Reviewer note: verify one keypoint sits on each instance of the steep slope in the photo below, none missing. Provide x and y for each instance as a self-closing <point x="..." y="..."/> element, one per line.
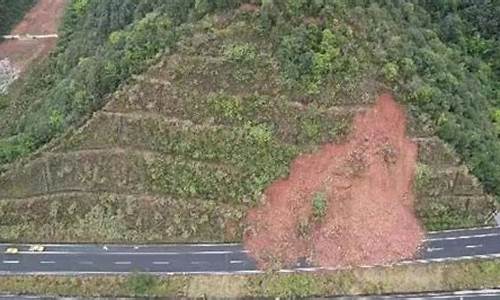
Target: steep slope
<point x="185" y="149"/>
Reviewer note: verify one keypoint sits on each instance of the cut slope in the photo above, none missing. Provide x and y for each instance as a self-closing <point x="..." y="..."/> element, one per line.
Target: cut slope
<point x="367" y="182"/>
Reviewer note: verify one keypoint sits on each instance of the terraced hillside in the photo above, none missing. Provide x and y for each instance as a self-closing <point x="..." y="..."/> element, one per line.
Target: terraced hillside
<point x="185" y="149"/>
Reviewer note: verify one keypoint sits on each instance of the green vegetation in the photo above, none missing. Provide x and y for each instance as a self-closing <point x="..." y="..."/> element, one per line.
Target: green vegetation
<point x="102" y="45"/>
<point x="11" y="12"/>
<point x="319" y="205"/>
<point x="441" y="59"/>
<point x="398" y="279"/>
<point x="141" y="283"/>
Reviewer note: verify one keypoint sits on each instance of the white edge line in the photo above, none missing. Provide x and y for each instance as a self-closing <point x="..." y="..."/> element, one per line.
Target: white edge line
<point x="130" y="253"/>
<point x="462" y="237"/>
<point x="125" y="245"/>
<point x="462" y="229"/>
<point x="454" y="294"/>
<point x="71" y="273"/>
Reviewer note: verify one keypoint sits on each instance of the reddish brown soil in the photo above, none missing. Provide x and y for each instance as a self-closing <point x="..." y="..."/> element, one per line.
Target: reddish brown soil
<point x="368" y="184"/>
<point x="23" y="53"/>
<point x="43" y="18"/>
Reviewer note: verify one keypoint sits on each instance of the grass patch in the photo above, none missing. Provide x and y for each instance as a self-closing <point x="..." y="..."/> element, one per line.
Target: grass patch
<point x="399" y="279"/>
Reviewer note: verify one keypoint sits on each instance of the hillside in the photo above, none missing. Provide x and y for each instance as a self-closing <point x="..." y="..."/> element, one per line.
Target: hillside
<point x="171" y="120"/>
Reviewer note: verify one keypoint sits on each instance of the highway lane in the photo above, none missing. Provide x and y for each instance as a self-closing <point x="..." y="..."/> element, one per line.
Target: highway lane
<point x="493" y="294"/>
<point x="72" y="259"/>
<point x="122" y="259"/>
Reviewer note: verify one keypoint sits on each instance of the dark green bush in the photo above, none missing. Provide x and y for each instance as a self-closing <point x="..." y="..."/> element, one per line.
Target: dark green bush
<point x="141" y="284"/>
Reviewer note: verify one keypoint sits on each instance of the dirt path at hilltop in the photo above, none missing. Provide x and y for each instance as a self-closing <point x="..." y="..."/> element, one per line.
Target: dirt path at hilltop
<point x="43" y="18"/>
<point x="366" y="186"/>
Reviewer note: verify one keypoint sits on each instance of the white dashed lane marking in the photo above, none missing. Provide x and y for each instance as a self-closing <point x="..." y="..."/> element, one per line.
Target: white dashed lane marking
<point x="161" y="263"/>
<point x="474" y="246"/>
<point x="48" y="262"/>
<point x="10" y="261"/>
<point x="236" y="262"/>
<point x="463" y="237"/>
<point x="434" y="249"/>
<point x="123" y="262"/>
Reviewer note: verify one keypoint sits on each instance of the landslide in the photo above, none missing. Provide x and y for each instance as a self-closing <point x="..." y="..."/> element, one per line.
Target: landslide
<point x="167" y="121"/>
<point x="345" y="204"/>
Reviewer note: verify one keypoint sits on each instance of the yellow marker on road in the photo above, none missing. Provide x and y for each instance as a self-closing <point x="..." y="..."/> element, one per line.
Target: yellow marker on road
<point x="37" y="248"/>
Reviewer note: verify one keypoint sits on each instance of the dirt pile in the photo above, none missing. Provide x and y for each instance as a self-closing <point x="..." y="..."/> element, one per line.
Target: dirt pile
<point x="349" y="204"/>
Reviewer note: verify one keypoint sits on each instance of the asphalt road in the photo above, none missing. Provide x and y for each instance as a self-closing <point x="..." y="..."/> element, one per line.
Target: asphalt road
<point x="67" y="259"/>
<point x="460" y="295"/>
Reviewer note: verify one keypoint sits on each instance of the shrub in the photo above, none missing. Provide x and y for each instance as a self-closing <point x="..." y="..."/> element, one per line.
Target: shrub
<point x="261" y="133"/>
<point x="422" y="176"/>
<point x="320" y="205"/>
<point x="241" y="53"/>
<point x="141" y="284"/>
<point x="390" y="71"/>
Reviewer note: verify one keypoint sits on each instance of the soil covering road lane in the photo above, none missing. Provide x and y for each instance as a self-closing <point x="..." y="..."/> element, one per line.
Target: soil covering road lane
<point x="75" y="259"/>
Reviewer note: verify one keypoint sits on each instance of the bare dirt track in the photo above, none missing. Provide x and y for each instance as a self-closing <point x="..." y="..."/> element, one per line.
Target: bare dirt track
<point x="43" y="18"/>
<point x="367" y="184"/>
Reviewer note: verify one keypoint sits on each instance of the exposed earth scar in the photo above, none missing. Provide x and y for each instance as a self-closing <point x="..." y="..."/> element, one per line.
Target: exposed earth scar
<point x="367" y="214"/>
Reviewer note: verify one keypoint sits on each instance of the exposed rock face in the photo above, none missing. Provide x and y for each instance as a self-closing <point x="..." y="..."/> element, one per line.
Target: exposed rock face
<point x="8" y="74"/>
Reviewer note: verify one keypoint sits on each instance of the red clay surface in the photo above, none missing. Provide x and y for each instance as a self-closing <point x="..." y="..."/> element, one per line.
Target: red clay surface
<point x="368" y="184"/>
<point x="43" y="18"/>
